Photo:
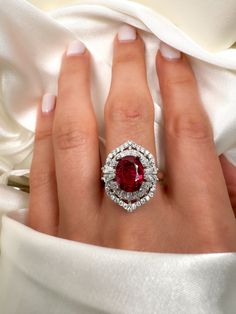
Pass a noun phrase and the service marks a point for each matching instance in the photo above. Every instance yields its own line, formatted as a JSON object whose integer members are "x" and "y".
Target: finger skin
{"x": 129, "y": 115}
{"x": 129, "y": 110}
{"x": 43, "y": 202}
{"x": 76, "y": 148}
{"x": 191, "y": 156}
{"x": 196, "y": 187}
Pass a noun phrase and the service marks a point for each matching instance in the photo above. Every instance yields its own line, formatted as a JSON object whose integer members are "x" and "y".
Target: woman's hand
{"x": 192, "y": 213}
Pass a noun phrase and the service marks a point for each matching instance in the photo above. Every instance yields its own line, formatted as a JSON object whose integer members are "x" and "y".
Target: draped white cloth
{"x": 43, "y": 274}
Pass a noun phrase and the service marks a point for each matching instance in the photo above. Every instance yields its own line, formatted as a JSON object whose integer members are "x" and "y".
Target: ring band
{"x": 130, "y": 175}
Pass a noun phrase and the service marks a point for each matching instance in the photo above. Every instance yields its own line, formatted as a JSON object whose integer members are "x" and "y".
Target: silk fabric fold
{"x": 43, "y": 274}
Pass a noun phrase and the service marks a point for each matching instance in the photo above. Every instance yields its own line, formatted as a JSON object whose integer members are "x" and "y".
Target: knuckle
{"x": 70, "y": 136}
{"x": 41, "y": 178}
{"x": 177, "y": 80}
{"x": 129, "y": 111}
{"x": 42, "y": 135}
{"x": 189, "y": 126}
{"x": 129, "y": 55}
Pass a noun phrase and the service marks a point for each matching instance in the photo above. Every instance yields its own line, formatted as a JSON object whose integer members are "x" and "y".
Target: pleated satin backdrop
{"x": 43, "y": 274}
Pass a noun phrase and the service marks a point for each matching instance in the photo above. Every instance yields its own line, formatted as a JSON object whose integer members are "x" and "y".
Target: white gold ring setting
{"x": 130, "y": 176}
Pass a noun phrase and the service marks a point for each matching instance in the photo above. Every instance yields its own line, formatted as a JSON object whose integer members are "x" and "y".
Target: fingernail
{"x": 169, "y": 52}
{"x": 127, "y": 33}
{"x": 76, "y": 48}
{"x": 48, "y": 103}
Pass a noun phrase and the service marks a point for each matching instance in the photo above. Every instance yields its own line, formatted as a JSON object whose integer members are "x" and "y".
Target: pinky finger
{"x": 43, "y": 204}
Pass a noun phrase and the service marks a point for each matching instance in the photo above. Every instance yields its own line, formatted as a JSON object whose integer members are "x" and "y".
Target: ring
{"x": 130, "y": 175}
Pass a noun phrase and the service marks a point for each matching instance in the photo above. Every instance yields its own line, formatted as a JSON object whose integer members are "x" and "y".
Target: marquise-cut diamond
{"x": 108, "y": 169}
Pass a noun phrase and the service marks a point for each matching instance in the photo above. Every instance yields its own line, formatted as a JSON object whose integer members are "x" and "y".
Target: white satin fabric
{"x": 41, "y": 274}
{"x": 212, "y": 25}
{"x": 52, "y": 275}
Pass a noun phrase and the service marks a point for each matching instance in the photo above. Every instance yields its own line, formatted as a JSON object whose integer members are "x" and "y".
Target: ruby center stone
{"x": 129, "y": 173}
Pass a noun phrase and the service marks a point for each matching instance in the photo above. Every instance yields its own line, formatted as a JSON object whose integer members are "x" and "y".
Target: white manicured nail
{"x": 127, "y": 33}
{"x": 48, "y": 103}
{"x": 76, "y": 48}
{"x": 169, "y": 52}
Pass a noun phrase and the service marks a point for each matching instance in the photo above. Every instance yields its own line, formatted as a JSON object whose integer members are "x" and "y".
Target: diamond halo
{"x": 130, "y": 201}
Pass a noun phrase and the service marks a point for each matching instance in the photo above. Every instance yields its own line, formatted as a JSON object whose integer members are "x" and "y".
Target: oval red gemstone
{"x": 129, "y": 173}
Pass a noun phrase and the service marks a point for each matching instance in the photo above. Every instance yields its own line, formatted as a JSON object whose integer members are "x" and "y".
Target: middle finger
{"x": 129, "y": 110}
